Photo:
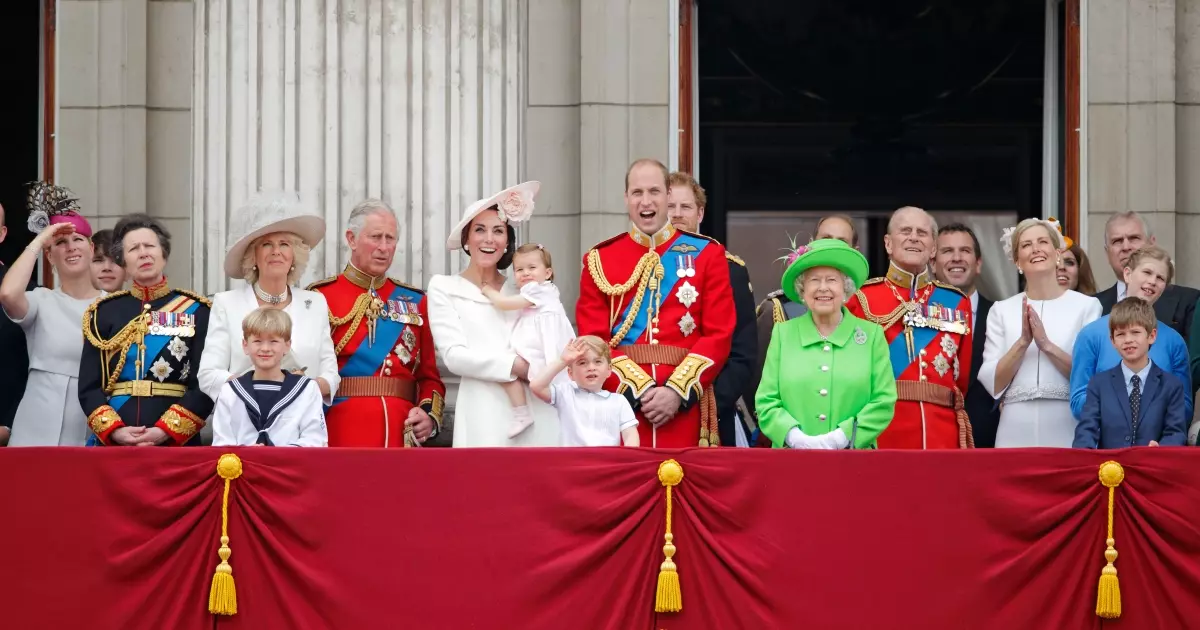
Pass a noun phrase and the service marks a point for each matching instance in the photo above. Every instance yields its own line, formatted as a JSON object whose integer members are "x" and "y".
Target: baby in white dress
{"x": 541, "y": 332}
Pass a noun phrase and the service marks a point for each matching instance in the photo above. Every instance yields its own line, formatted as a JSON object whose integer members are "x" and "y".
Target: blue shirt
{"x": 1141, "y": 374}
{"x": 1094, "y": 352}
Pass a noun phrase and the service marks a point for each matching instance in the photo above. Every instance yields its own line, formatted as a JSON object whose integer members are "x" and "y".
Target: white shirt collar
{"x": 602, "y": 393}
{"x": 974, "y": 302}
{"x": 1121, "y": 288}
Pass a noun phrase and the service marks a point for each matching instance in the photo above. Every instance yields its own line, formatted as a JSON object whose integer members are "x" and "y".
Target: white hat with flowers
{"x": 514, "y": 205}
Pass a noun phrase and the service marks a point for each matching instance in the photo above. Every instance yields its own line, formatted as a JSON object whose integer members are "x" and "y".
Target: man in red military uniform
{"x": 391, "y": 393}
{"x": 662, "y": 298}
{"x": 927, "y": 325}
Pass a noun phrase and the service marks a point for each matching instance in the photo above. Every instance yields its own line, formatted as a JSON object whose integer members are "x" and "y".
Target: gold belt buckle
{"x": 141, "y": 389}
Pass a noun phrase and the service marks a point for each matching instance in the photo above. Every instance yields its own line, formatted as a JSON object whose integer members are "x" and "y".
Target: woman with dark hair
{"x": 474, "y": 338}
{"x": 137, "y": 375}
{"x": 1074, "y": 270}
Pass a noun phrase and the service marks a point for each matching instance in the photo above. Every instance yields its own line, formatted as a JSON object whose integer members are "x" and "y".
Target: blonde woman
{"x": 1027, "y": 355}
{"x": 269, "y": 250}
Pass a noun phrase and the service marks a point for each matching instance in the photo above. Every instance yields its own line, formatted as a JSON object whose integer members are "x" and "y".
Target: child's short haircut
{"x": 1130, "y": 312}
{"x": 1152, "y": 252}
{"x": 264, "y": 322}
{"x": 102, "y": 242}
{"x": 597, "y": 345}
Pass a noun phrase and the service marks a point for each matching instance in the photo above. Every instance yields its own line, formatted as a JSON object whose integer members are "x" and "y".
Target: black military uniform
{"x": 737, "y": 377}
{"x": 140, "y": 357}
{"x": 14, "y": 369}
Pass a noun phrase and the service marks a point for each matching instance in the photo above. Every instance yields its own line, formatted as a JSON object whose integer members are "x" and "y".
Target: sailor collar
{"x": 289, "y": 391}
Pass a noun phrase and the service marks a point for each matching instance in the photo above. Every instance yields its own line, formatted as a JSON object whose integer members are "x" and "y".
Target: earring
{"x": 1058, "y": 261}
{"x": 256, "y": 267}
{"x": 1020, "y": 271}
{"x": 293, "y": 267}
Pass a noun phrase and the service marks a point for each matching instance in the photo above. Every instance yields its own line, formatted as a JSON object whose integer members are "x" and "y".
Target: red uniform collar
{"x": 360, "y": 278}
{"x": 149, "y": 294}
{"x": 651, "y": 241}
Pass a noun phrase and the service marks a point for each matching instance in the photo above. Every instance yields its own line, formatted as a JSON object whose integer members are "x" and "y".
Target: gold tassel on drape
{"x": 1108, "y": 597}
{"x": 222, "y": 597}
{"x": 668, "y": 597}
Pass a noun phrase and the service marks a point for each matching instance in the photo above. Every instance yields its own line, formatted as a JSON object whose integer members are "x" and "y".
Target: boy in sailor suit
{"x": 269, "y": 407}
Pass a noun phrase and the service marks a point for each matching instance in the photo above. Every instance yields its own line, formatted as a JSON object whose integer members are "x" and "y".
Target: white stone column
{"x": 418, "y": 102}
{"x": 1187, "y": 140}
{"x": 1131, "y": 119}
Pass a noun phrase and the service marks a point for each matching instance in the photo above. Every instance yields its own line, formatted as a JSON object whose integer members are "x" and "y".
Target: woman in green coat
{"x": 828, "y": 377}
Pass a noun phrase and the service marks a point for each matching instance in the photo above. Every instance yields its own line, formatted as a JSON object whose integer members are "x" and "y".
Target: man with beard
{"x": 660, "y": 297}
{"x": 927, "y": 326}
{"x": 685, "y": 207}
{"x": 958, "y": 261}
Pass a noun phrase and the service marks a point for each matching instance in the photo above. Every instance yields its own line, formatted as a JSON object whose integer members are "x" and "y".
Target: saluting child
{"x": 587, "y": 414}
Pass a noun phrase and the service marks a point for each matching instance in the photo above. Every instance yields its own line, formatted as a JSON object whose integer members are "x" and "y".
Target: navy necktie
{"x": 1135, "y": 402}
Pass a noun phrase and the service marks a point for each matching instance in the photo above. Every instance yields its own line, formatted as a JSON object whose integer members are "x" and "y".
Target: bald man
{"x": 15, "y": 367}
{"x": 927, "y": 326}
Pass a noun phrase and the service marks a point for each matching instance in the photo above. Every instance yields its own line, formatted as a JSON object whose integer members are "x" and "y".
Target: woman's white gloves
{"x": 833, "y": 441}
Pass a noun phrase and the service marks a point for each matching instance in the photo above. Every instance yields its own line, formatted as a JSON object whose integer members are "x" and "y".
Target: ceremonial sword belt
{"x": 658, "y": 354}
{"x": 934, "y": 394}
{"x": 376, "y": 386}
{"x": 148, "y": 389}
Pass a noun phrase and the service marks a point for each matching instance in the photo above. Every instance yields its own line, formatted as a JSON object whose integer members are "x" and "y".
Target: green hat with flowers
{"x": 826, "y": 252}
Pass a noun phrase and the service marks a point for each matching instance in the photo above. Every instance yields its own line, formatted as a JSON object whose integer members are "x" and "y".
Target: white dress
{"x": 1036, "y": 404}
{"x": 542, "y": 330}
{"x": 312, "y": 343}
{"x": 49, "y": 413}
{"x": 474, "y": 340}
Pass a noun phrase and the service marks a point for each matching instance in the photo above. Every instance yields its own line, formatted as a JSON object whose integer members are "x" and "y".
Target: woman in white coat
{"x": 473, "y": 337}
{"x": 270, "y": 242}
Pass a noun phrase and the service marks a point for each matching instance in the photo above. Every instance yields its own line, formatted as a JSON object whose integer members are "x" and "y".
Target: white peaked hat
{"x": 515, "y": 204}
{"x": 267, "y": 213}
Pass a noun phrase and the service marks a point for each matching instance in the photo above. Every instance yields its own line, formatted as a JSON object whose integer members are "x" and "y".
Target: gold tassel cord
{"x": 222, "y": 597}
{"x": 1108, "y": 595}
{"x": 668, "y": 597}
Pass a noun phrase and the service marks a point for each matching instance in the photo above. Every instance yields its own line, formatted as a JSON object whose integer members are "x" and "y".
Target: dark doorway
{"x": 809, "y": 107}
{"x": 20, "y": 113}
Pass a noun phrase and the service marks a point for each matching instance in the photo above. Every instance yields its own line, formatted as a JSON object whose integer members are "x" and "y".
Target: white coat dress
{"x": 473, "y": 339}
{"x": 312, "y": 343}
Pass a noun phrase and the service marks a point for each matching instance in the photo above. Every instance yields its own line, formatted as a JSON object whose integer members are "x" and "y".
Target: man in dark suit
{"x": 957, "y": 261}
{"x": 1125, "y": 233}
{"x": 1136, "y": 403}
{"x": 685, "y": 207}
{"x": 14, "y": 369}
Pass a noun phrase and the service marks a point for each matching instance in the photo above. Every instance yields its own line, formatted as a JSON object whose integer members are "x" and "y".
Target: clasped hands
{"x": 1032, "y": 329}
{"x": 835, "y": 440}
{"x": 139, "y": 436}
{"x": 660, "y": 404}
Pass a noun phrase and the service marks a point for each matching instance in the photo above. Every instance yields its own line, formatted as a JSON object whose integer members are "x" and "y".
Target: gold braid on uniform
{"x": 884, "y": 321}
{"x": 649, "y": 271}
{"x": 119, "y": 343}
{"x": 354, "y": 318}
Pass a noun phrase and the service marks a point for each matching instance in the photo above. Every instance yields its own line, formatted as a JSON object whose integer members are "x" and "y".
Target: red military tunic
{"x": 665, "y": 304}
{"x": 927, "y": 326}
{"x": 385, "y": 358}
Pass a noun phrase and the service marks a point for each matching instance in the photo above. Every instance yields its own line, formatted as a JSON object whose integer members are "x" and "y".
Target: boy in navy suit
{"x": 1135, "y": 403}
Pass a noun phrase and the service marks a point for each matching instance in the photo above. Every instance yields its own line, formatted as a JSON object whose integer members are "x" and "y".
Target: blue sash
{"x": 154, "y": 347}
{"x": 670, "y": 263}
{"x": 922, "y": 337}
{"x": 369, "y": 357}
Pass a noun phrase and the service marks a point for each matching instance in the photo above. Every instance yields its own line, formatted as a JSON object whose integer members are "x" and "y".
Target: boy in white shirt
{"x": 587, "y": 414}
{"x": 267, "y": 406}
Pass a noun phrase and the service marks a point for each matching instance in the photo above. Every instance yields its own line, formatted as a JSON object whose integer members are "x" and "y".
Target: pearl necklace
{"x": 270, "y": 298}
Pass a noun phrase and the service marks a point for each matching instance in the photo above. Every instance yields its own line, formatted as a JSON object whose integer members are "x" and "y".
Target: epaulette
{"x": 406, "y": 285}
{"x": 607, "y": 241}
{"x": 949, "y": 287}
{"x": 109, "y": 296}
{"x": 698, "y": 235}
{"x": 773, "y": 296}
{"x": 321, "y": 283}
{"x": 734, "y": 259}
{"x": 195, "y": 296}
{"x": 874, "y": 281}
